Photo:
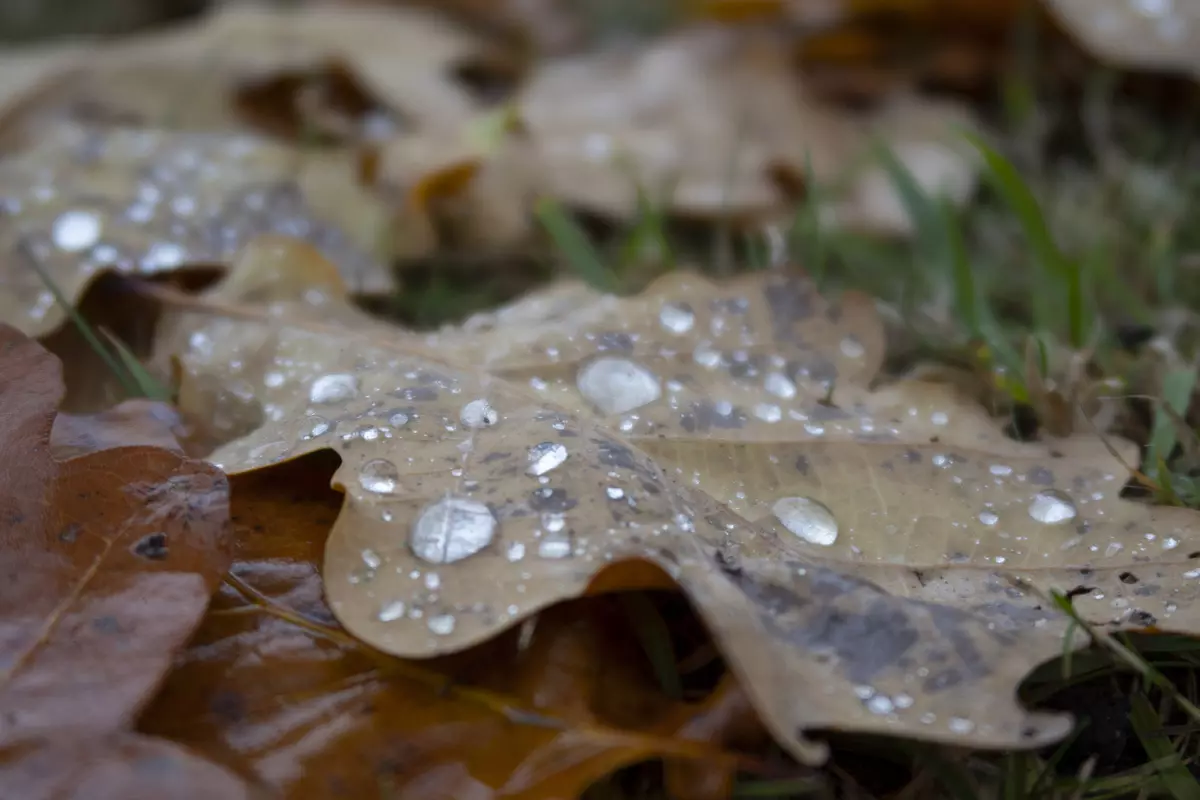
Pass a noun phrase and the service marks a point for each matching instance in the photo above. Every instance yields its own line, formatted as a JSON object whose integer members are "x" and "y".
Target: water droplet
{"x": 814, "y": 429}
{"x": 768, "y": 412}
{"x": 371, "y": 559}
{"x": 614, "y": 492}
{"x": 75, "y": 231}
{"x": 1000, "y": 470}
{"x": 273, "y": 380}
{"x": 554, "y": 547}
{"x": 553, "y": 522}
{"x": 379, "y": 476}
{"x": 478, "y": 414}
{"x": 545, "y": 457}
{"x": 617, "y": 385}
{"x": 337, "y": 388}
{"x": 432, "y": 581}
{"x": 1192, "y": 574}
{"x": 442, "y": 624}
{"x": 939, "y": 418}
{"x": 399, "y": 419}
{"x": 809, "y": 519}
{"x": 903, "y": 700}
{"x": 677, "y": 317}
{"x": 452, "y": 529}
{"x": 989, "y": 518}
{"x": 1170, "y": 543}
{"x": 1052, "y": 507}
{"x": 960, "y": 725}
{"x": 707, "y": 356}
{"x": 515, "y": 551}
{"x": 391, "y": 611}
{"x": 852, "y": 348}
{"x": 780, "y": 385}
{"x": 880, "y": 704}
{"x": 320, "y": 427}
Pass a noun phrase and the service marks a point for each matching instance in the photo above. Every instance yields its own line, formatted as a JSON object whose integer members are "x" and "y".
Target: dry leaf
{"x": 518, "y": 502}
{"x": 320, "y": 716}
{"x": 117, "y": 767}
{"x": 87, "y": 200}
{"x": 714, "y": 123}
{"x": 111, "y": 557}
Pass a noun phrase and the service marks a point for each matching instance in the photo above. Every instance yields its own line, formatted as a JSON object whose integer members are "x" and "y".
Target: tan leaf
{"x": 860, "y": 564}
{"x": 89, "y": 200}
{"x": 1132, "y": 34}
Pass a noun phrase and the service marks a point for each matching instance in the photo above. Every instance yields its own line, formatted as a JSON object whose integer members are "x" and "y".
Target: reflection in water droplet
{"x": 554, "y": 547}
{"x": 545, "y": 457}
{"x": 452, "y": 529}
{"x": 391, "y": 611}
{"x": 478, "y": 414}
{"x": 1170, "y": 543}
{"x": 880, "y": 704}
{"x": 319, "y": 427}
{"x": 553, "y": 522}
{"x": 1052, "y": 507}
{"x": 768, "y": 412}
{"x": 676, "y": 317}
{"x": 442, "y": 624}
{"x": 336, "y": 388}
{"x": 75, "y": 231}
{"x": 1000, "y": 470}
{"x": 809, "y": 519}
{"x": 379, "y": 476}
{"x": 780, "y": 385}
{"x": 617, "y": 385}
{"x": 614, "y": 492}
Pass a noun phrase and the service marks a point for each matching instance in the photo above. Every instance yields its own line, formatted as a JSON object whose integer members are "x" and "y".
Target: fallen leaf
{"x": 1139, "y": 35}
{"x": 110, "y": 558}
{"x": 314, "y": 714}
{"x": 144, "y": 423}
{"x": 714, "y": 123}
{"x": 89, "y": 200}
{"x": 118, "y": 767}
{"x": 518, "y": 502}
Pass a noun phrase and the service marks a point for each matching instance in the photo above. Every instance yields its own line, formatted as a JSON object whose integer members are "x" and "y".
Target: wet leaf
{"x": 110, "y": 558}
{"x": 1140, "y": 35}
{"x": 592, "y": 431}
{"x": 542, "y": 713}
{"x": 147, "y": 423}
{"x": 89, "y": 200}
{"x": 120, "y": 767}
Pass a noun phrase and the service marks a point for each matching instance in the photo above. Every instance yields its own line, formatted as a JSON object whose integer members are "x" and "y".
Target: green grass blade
{"x": 571, "y": 239}
{"x": 85, "y": 330}
{"x": 148, "y": 385}
{"x": 1171, "y": 770}
{"x": 1177, "y": 389}
{"x": 655, "y": 637}
{"x": 807, "y": 227}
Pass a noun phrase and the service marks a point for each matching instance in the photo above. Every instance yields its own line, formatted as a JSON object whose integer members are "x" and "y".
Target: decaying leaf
{"x": 120, "y": 767}
{"x": 148, "y": 423}
{"x": 713, "y": 122}
{"x": 396, "y": 64}
{"x": 542, "y": 714}
{"x": 864, "y": 563}
{"x": 87, "y": 200}
{"x": 109, "y": 560}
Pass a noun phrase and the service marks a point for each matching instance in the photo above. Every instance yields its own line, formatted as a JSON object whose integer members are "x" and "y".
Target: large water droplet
{"x": 677, "y": 317}
{"x": 1052, "y": 507}
{"x": 452, "y": 529}
{"x": 809, "y": 519}
{"x": 617, "y": 385}
{"x": 379, "y": 476}
{"x": 545, "y": 457}
{"x": 336, "y": 388}
{"x": 75, "y": 231}
{"x": 478, "y": 414}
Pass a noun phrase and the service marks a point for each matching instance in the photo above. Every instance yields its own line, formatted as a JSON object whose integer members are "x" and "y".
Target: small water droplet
{"x": 1052, "y": 507}
{"x": 852, "y": 348}
{"x": 684, "y": 522}
{"x": 554, "y": 547}
{"x": 379, "y": 476}
{"x": 989, "y": 518}
{"x": 707, "y": 356}
{"x": 399, "y": 419}
{"x": 809, "y": 519}
{"x": 1192, "y": 573}
{"x": 880, "y": 704}
{"x": 939, "y": 418}
{"x": 903, "y": 700}
{"x": 320, "y": 427}
{"x": 960, "y": 725}
{"x": 452, "y": 529}
{"x": 780, "y": 385}
{"x": 553, "y": 522}
{"x": 614, "y": 492}
{"x": 371, "y": 559}
{"x": 273, "y": 380}
{"x": 1170, "y": 543}
{"x": 515, "y": 551}
{"x": 75, "y": 231}
{"x": 617, "y": 385}
{"x": 391, "y": 611}
{"x": 337, "y": 388}
{"x": 814, "y": 429}
{"x": 768, "y": 412}
{"x": 545, "y": 457}
{"x": 478, "y": 414}
{"x": 677, "y": 317}
{"x": 432, "y": 581}
{"x": 442, "y": 624}
{"x": 1000, "y": 470}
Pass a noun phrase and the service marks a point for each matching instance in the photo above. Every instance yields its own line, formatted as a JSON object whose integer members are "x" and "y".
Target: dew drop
{"x": 371, "y": 559}
{"x": 1000, "y": 470}
{"x": 768, "y": 412}
{"x": 452, "y": 529}
{"x": 320, "y": 427}
{"x": 939, "y": 418}
{"x": 478, "y": 414}
{"x": 852, "y": 348}
{"x": 336, "y": 388}
{"x": 809, "y": 519}
{"x": 379, "y": 476}
{"x": 780, "y": 385}
{"x": 399, "y": 419}
{"x": 617, "y": 385}
{"x": 989, "y": 518}
{"x": 273, "y": 380}
{"x": 442, "y": 624}
{"x": 1170, "y": 543}
{"x": 1052, "y": 507}
{"x": 677, "y": 317}
{"x": 553, "y": 522}
{"x": 614, "y": 492}
{"x": 545, "y": 457}
{"x": 880, "y": 704}
{"x": 960, "y": 725}
{"x": 515, "y": 551}
{"x": 706, "y": 356}
{"x": 554, "y": 547}
{"x": 391, "y": 611}
{"x": 75, "y": 231}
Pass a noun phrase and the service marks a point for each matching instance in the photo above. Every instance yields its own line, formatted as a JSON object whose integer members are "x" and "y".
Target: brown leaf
{"x": 118, "y": 767}
{"x": 144, "y": 423}
{"x": 518, "y": 500}
{"x": 318, "y": 715}
{"x": 110, "y": 558}
{"x": 88, "y": 200}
